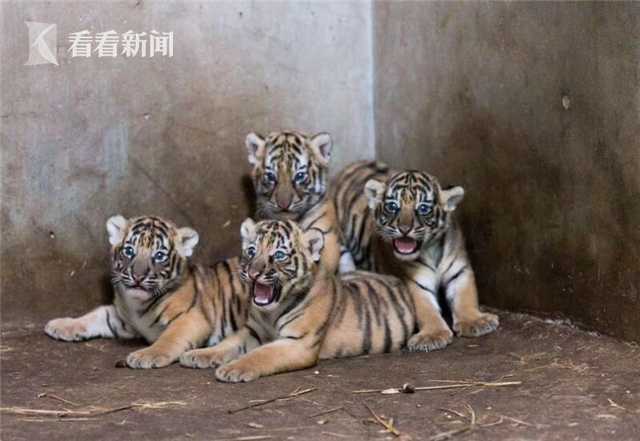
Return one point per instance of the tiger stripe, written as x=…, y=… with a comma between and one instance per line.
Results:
x=353, y=217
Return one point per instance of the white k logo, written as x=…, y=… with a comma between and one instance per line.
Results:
x=43, y=43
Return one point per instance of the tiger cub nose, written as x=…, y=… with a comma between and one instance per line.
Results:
x=284, y=202
x=256, y=269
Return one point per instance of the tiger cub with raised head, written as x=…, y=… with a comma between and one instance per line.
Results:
x=402, y=223
x=297, y=315
x=159, y=296
x=290, y=176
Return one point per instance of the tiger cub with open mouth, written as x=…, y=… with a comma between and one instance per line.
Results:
x=402, y=223
x=298, y=314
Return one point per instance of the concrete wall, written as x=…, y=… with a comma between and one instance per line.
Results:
x=94, y=137
x=473, y=93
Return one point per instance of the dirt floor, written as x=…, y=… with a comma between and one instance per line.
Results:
x=575, y=386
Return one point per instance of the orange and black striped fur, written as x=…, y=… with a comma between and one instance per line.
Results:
x=290, y=174
x=297, y=315
x=402, y=223
x=158, y=295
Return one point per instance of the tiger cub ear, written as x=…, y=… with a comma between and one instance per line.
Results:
x=117, y=227
x=248, y=230
x=187, y=240
x=255, y=147
x=374, y=191
x=315, y=242
x=321, y=146
x=451, y=197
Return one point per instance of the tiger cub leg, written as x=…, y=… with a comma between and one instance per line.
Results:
x=185, y=332
x=278, y=356
x=433, y=331
x=228, y=349
x=462, y=295
x=103, y=321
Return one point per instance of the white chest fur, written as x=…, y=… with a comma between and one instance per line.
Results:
x=131, y=305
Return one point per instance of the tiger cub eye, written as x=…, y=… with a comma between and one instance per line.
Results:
x=391, y=207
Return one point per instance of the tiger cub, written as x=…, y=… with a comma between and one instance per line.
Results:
x=158, y=295
x=402, y=223
x=290, y=174
x=297, y=315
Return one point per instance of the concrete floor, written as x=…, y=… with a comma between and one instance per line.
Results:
x=575, y=386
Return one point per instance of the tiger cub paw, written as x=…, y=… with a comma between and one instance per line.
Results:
x=426, y=342
x=484, y=324
x=148, y=358
x=235, y=372
x=202, y=358
x=66, y=329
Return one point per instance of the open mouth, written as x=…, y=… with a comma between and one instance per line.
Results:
x=263, y=294
x=405, y=245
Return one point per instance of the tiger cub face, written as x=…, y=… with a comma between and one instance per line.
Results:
x=290, y=172
x=278, y=259
x=411, y=209
x=148, y=253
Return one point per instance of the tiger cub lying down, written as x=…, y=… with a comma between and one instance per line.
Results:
x=159, y=296
x=297, y=315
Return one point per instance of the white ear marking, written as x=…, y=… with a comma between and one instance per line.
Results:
x=188, y=238
x=321, y=145
x=315, y=242
x=255, y=147
x=374, y=190
x=116, y=227
x=248, y=229
x=451, y=197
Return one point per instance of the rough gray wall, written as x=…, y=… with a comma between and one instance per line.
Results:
x=95, y=137
x=473, y=93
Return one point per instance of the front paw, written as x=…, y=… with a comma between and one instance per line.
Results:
x=426, y=342
x=235, y=372
x=66, y=329
x=202, y=358
x=148, y=358
x=485, y=324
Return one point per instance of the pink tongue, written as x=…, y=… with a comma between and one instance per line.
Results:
x=262, y=293
x=405, y=245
